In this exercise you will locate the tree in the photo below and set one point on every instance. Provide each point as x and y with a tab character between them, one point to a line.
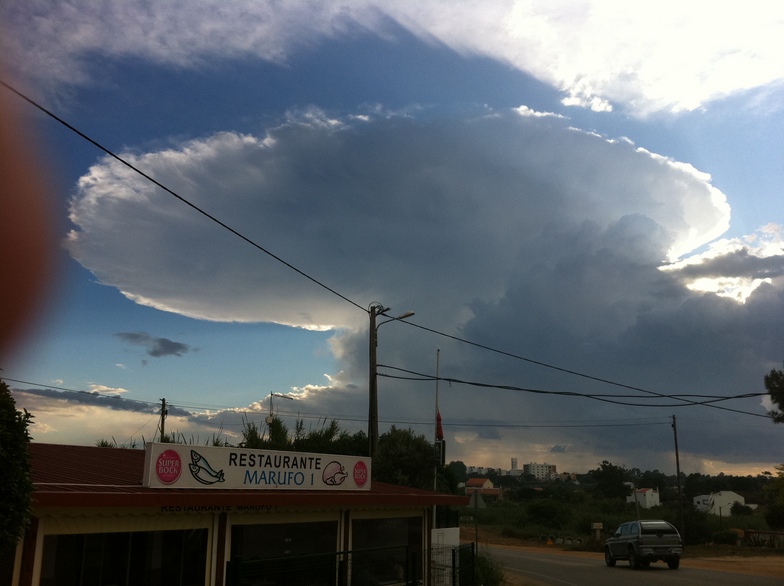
609	480
459	470
774	384
739	510
548	513
15	464
251	435
775	494
405	459
278	439
329	439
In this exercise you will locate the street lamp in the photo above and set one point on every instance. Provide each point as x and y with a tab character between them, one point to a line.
270	417
374	310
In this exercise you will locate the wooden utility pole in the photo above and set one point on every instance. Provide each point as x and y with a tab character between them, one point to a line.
164	412
678	473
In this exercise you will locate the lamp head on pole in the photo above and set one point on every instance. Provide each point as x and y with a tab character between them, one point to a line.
375	309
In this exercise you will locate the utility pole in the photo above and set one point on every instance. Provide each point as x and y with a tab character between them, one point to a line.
373	311
436	444
164	412
678	473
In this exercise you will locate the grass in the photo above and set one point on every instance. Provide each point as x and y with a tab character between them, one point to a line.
720	550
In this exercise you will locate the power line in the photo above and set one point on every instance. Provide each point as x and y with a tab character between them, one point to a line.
607	398
248	240
529	360
78	391
176	195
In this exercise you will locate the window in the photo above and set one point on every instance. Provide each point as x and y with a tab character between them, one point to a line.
153	558
660	528
384	550
276	540
285	553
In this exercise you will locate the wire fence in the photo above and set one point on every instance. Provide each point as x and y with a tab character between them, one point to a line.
400	566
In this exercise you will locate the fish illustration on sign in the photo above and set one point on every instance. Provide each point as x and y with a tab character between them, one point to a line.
202	471
334	474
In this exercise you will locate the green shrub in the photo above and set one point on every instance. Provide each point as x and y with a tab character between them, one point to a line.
548	513
513	532
727	537
739	510
488	572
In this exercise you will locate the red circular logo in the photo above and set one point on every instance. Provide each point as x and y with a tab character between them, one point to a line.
168	467
360	473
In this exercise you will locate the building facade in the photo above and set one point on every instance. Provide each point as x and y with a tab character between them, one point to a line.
719	503
99	518
644	497
540	471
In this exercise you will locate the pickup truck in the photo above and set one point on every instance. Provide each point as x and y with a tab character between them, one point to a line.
643	542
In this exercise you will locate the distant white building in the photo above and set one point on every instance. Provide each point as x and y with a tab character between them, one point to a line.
645	497
514	464
540	471
719	503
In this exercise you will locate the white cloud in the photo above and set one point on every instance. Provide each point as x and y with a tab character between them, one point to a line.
662	56
518	231
735	267
103	389
501	193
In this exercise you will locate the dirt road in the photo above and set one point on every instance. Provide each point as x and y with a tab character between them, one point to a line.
772	566
756	565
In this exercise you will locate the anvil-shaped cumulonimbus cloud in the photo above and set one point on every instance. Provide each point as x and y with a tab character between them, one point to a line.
452	207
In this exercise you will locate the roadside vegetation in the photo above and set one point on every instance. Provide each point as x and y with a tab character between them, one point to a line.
563	513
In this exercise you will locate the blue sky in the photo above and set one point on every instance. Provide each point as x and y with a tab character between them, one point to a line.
575	184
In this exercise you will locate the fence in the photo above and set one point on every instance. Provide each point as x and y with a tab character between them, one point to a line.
387	565
764	538
366	567
453	566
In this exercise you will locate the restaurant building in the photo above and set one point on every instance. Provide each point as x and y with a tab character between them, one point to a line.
195	516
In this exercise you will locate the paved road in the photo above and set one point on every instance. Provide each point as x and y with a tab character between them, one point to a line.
563	570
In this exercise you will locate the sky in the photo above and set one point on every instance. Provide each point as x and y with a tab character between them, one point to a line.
581	202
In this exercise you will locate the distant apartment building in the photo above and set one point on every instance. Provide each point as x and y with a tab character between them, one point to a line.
514	464
540	471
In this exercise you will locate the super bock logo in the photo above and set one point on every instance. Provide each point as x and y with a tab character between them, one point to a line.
202	471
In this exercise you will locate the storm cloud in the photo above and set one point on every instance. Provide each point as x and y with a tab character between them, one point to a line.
155	347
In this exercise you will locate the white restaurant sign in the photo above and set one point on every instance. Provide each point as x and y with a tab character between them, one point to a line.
183	466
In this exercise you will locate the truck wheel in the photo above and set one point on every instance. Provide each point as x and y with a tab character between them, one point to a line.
608	558
634	561
673	563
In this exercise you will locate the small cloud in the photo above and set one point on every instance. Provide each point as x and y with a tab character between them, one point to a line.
559	449
41	428
525	111
104	390
155	347
119	365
